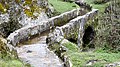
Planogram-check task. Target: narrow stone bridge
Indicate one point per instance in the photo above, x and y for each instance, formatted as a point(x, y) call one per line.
point(36, 53)
point(74, 29)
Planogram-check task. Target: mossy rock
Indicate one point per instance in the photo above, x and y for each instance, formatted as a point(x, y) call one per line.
point(5, 51)
point(28, 1)
point(17, 1)
point(2, 8)
point(3, 47)
point(28, 12)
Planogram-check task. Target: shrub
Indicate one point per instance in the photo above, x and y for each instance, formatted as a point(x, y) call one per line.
point(108, 33)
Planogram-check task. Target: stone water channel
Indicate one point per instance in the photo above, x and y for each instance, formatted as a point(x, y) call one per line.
point(30, 41)
point(35, 52)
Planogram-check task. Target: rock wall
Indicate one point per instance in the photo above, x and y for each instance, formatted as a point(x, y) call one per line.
point(28, 31)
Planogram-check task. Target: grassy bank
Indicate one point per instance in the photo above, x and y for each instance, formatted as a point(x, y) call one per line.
point(61, 6)
point(11, 62)
point(101, 7)
point(80, 59)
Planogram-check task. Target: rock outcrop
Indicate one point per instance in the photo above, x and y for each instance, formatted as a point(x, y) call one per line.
point(15, 14)
point(24, 13)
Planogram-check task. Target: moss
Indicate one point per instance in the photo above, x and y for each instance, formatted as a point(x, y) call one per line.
point(92, 23)
point(28, 1)
point(76, 34)
point(28, 12)
point(7, 6)
point(2, 8)
point(17, 1)
point(3, 47)
point(33, 8)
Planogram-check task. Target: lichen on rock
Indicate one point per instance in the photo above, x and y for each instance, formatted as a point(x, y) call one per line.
point(5, 49)
point(20, 13)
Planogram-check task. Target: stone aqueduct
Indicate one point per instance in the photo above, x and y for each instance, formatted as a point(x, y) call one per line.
point(65, 25)
point(74, 27)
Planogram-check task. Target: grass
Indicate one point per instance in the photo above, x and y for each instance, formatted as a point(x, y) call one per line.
point(61, 6)
point(11, 62)
point(79, 59)
point(101, 7)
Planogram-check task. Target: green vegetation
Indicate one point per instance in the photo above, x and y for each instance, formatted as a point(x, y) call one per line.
point(79, 59)
point(6, 61)
point(2, 9)
point(61, 6)
point(11, 63)
point(106, 40)
point(101, 7)
point(107, 33)
point(33, 8)
point(28, 1)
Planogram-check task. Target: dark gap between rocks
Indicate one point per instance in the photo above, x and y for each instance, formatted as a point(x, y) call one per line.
point(88, 37)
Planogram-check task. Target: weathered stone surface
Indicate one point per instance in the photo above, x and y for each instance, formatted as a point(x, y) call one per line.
point(30, 30)
point(4, 18)
point(74, 28)
point(20, 14)
point(58, 35)
point(37, 54)
point(77, 23)
point(56, 45)
point(7, 25)
point(25, 20)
